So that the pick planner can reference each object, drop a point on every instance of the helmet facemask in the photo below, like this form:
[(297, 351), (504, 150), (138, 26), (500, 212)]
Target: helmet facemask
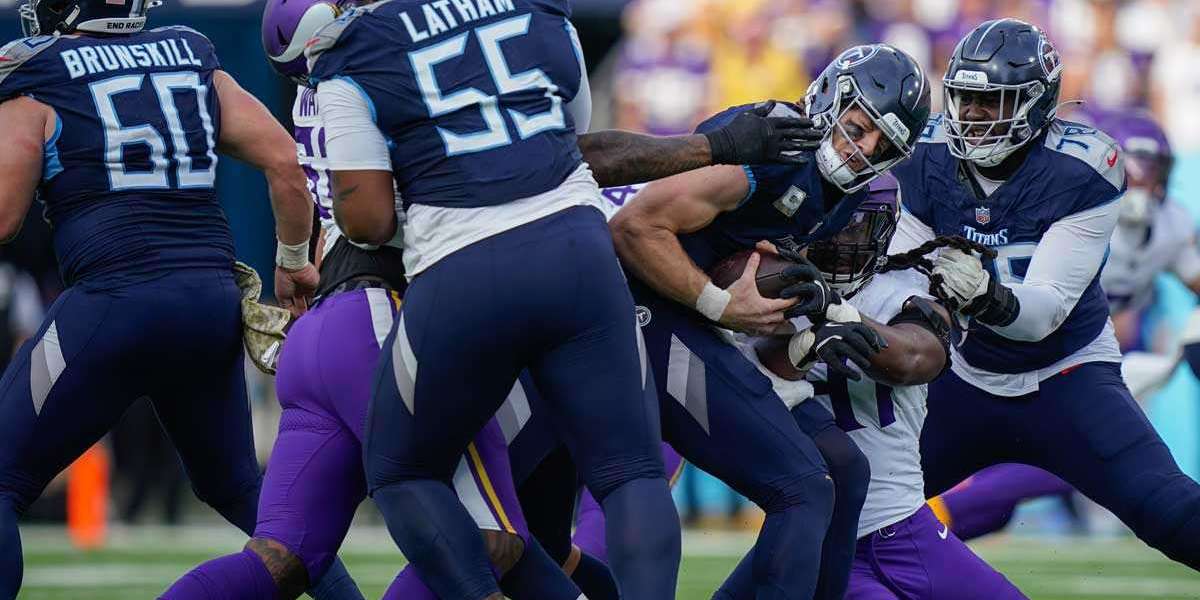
[(851, 173), (850, 258), (1147, 175), (988, 142)]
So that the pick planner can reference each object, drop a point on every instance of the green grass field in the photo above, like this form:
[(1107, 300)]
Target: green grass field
[(140, 563)]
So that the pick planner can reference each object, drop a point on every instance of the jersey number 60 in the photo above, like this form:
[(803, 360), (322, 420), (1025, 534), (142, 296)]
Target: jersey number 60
[(496, 135)]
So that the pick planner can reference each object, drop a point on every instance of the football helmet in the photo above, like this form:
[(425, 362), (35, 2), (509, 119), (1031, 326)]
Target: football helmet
[(886, 84), (851, 257), (1148, 163), (56, 17), (288, 25), (1013, 64)]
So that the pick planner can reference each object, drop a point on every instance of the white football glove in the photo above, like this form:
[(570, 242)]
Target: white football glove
[(963, 277)]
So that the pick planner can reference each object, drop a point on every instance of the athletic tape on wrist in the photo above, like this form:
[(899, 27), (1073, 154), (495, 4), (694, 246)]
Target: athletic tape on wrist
[(712, 301), (291, 256)]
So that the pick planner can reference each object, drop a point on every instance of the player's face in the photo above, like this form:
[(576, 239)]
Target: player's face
[(984, 107), (858, 132)]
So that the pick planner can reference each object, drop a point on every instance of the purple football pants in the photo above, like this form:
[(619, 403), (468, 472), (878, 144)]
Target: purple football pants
[(985, 502), (920, 559), (315, 480)]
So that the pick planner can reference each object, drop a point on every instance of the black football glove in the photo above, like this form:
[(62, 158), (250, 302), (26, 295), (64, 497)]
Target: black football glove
[(753, 138), (836, 343), (806, 284)]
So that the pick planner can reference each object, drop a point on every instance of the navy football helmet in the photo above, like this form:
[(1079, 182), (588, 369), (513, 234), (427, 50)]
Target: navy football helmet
[(886, 84), (56, 17), (1013, 63)]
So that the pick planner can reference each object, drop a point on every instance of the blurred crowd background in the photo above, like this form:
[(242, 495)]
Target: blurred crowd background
[(662, 66)]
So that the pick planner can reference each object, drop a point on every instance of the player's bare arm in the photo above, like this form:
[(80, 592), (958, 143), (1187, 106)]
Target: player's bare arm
[(646, 236), (27, 124), (249, 132), (915, 351), (624, 158), (364, 205)]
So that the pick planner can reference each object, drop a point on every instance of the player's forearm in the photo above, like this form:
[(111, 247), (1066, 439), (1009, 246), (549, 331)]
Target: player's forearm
[(291, 203), (364, 206), (913, 355), (1042, 310), (656, 257), (624, 158)]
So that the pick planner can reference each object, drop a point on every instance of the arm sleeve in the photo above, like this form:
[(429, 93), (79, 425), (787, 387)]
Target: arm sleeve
[(580, 106), (1186, 265), (1066, 260), (352, 140)]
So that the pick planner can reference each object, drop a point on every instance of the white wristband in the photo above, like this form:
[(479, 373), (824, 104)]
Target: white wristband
[(843, 313), (712, 301), (291, 257), (799, 347)]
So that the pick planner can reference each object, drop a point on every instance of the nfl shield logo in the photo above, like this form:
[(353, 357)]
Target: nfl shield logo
[(983, 216)]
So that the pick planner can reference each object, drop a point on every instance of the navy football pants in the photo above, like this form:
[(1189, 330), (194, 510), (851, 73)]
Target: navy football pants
[(1083, 426), (722, 415), (550, 296), (176, 340)]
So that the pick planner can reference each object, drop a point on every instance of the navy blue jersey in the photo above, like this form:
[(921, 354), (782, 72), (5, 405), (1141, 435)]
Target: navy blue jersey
[(786, 205), (128, 177), (1070, 168), (470, 94)]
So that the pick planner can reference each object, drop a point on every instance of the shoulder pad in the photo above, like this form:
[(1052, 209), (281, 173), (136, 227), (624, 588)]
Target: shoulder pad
[(328, 36), (1091, 147), (18, 52), (935, 130)]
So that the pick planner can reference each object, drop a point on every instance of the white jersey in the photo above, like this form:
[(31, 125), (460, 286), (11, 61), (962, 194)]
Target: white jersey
[(1137, 255), (310, 151), (885, 422)]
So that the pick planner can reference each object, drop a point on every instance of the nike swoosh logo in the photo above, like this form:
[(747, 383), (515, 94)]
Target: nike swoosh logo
[(945, 532)]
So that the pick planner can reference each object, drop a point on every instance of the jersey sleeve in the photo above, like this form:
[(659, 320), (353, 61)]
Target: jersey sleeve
[(353, 141), (767, 180), (18, 74), (1090, 171), (331, 52)]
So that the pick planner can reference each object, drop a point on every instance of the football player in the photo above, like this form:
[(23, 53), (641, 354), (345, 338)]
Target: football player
[(902, 551), (718, 411), (366, 275), (1036, 376), (117, 129), (1154, 234)]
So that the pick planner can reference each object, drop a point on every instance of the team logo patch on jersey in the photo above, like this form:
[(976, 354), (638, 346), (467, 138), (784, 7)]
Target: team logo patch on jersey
[(791, 201), (643, 315), (855, 56), (983, 215)]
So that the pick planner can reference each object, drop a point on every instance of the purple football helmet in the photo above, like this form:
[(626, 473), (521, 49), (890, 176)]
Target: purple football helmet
[(1148, 162), (850, 258), (288, 25)]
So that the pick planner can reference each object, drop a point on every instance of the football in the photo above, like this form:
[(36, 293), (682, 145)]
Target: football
[(769, 277), (772, 352)]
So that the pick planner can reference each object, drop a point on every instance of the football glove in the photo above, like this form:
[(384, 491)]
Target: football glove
[(263, 326), (960, 279), (754, 137), (835, 343), (817, 300)]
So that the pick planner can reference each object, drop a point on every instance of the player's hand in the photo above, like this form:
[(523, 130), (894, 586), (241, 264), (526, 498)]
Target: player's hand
[(294, 289), (748, 311), (836, 343), (959, 277), (815, 298), (753, 138)]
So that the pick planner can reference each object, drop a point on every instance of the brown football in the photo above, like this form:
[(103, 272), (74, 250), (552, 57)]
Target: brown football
[(769, 277), (772, 352)]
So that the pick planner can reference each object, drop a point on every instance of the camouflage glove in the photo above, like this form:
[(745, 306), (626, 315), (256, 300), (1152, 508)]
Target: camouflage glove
[(263, 326)]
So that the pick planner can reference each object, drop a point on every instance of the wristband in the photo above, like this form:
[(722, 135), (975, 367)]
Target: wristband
[(799, 347), (291, 257), (843, 312), (712, 301)]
